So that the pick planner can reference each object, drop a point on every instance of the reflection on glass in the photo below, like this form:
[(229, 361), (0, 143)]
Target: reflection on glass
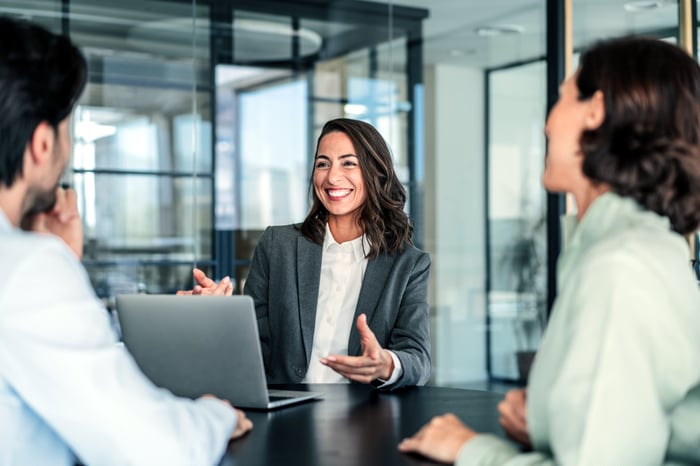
[(274, 154), (112, 279), (163, 154), (516, 216), (46, 13), (271, 103), (145, 217), (141, 135)]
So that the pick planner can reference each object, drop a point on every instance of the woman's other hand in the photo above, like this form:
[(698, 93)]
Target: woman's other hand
[(441, 439), (513, 419), (207, 286), (374, 363)]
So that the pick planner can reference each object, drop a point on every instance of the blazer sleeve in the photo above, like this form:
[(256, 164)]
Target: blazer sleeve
[(257, 287), (410, 337)]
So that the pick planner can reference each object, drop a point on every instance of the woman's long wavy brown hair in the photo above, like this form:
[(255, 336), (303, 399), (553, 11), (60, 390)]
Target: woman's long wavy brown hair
[(648, 146), (382, 216)]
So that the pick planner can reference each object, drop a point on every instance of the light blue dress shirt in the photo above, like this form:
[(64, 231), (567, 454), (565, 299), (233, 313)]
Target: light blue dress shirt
[(67, 389), (616, 380)]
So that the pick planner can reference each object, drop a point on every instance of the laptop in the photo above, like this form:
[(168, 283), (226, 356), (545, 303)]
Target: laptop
[(194, 345)]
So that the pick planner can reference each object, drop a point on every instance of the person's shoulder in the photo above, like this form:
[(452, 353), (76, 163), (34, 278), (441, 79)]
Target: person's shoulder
[(280, 236), (20, 247), (31, 260), (646, 265), (292, 230), (637, 245), (412, 254), (413, 251)]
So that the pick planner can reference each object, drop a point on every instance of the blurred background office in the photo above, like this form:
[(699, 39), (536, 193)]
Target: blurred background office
[(197, 130)]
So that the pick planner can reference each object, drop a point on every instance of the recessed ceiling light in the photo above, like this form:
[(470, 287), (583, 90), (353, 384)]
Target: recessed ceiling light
[(355, 109), (644, 5), (499, 30), (255, 40)]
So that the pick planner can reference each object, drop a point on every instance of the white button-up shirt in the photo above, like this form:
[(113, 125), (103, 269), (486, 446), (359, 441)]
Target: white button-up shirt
[(342, 271)]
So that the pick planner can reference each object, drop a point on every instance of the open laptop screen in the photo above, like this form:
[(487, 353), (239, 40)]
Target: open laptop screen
[(194, 345)]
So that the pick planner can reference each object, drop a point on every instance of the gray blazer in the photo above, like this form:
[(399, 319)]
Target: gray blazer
[(284, 279)]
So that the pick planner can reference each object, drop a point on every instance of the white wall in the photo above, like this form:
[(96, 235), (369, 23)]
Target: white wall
[(454, 219)]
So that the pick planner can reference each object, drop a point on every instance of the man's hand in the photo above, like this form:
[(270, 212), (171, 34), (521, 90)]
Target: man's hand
[(441, 439), (513, 411), (207, 286), (243, 424), (375, 362), (62, 221)]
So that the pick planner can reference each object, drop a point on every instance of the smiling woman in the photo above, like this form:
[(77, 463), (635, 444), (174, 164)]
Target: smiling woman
[(351, 261), (378, 198)]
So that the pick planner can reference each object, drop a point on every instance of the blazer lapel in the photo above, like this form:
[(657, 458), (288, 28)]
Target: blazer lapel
[(308, 278), (373, 283)]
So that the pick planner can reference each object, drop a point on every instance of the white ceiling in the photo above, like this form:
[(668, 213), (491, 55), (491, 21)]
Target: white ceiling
[(450, 31)]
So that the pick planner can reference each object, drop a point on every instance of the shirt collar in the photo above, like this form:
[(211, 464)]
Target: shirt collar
[(609, 212), (359, 245), (4, 222)]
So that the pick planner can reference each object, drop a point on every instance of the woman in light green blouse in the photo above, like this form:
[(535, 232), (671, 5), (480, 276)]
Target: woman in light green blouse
[(616, 380)]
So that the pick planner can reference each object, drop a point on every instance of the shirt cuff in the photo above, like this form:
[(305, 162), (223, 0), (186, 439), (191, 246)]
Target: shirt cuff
[(485, 449), (395, 375), (221, 420)]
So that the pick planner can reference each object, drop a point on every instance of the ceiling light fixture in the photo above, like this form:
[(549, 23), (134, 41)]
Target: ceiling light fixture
[(253, 39), (500, 30), (355, 109), (644, 5)]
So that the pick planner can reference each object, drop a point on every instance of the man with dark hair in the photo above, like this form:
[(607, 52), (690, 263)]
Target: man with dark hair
[(68, 391)]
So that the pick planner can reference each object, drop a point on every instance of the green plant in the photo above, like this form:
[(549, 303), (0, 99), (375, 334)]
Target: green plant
[(525, 260)]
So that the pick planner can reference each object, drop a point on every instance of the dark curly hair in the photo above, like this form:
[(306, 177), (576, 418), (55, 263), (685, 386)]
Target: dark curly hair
[(382, 217), (41, 77), (648, 146)]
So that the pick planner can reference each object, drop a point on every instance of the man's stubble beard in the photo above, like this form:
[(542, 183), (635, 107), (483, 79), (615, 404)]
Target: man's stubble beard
[(43, 202)]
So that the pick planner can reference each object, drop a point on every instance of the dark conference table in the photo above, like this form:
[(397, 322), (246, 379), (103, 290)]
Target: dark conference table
[(356, 425)]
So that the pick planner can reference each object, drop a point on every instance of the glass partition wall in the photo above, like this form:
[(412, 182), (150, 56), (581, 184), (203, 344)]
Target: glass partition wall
[(327, 62), (198, 124), (516, 217), (517, 211), (142, 163)]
